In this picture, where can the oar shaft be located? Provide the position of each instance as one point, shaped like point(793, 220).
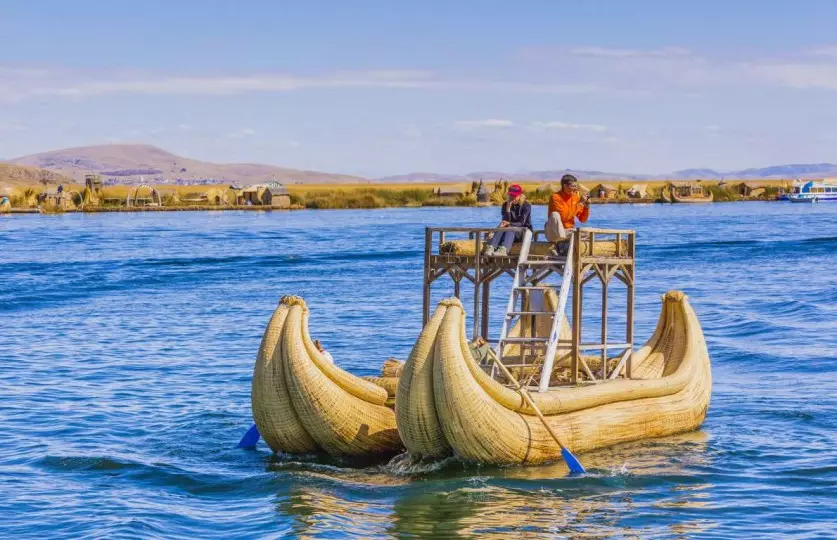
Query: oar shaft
point(529, 401)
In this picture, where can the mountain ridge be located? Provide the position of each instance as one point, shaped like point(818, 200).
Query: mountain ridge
point(131, 163)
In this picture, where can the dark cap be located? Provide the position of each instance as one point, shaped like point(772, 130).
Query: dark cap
point(568, 179)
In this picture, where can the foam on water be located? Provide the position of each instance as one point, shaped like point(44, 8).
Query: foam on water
point(127, 344)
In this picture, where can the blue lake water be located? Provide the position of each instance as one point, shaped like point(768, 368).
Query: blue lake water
point(127, 343)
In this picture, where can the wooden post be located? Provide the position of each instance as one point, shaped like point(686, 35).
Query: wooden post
point(486, 296)
point(477, 284)
point(604, 324)
point(629, 331)
point(577, 286)
point(428, 245)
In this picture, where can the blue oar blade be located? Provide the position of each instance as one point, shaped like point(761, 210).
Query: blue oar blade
point(572, 462)
point(250, 438)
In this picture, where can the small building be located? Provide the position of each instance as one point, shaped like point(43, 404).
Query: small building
point(449, 192)
point(483, 195)
point(638, 191)
point(547, 188)
point(56, 199)
point(93, 182)
point(252, 195)
point(276, 195)
point(750, 189)
point(604, 191)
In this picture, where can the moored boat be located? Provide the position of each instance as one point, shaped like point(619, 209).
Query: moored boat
point(690, 192)
point(447, 404)
point(814, 191)
point(303, 403)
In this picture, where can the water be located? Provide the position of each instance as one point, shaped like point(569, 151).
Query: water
point(127, 344)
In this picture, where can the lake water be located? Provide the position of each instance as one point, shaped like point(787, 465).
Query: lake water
point(127, 344)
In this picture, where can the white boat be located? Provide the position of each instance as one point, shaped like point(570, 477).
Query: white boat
point(814, 191)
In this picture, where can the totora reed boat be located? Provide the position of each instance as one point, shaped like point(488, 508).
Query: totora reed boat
point(515, 399)
point(302, 403)
point(447, 404)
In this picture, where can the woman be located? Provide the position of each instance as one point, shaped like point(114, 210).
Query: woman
point(516, 212)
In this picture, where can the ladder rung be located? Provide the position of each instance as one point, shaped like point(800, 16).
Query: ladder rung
point(515, 313)
point(525, 340)
point(535, 287)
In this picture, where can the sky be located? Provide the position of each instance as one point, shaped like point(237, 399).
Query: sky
point(379, 88)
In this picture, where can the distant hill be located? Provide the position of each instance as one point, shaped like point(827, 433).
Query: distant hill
point(18, 175)
point(816, 170)
point(127, 163)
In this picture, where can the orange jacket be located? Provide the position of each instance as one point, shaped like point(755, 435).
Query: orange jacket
point(568, 207)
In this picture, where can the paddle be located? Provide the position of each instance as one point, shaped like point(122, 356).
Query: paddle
point(250, 438)
point(572, 462)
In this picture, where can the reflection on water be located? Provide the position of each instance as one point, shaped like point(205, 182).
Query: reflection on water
point(453, 498)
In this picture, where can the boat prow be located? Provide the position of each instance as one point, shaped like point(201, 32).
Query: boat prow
point(302, 403)
point(446, 403)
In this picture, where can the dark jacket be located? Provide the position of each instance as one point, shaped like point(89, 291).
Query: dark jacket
point(518, 215)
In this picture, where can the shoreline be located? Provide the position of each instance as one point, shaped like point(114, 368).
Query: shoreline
point(256, 208)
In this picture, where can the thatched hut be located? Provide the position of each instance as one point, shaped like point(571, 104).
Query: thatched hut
point(638, 191)
point(604, 191)
point(59, 200)
point(252, 195)
point(276, 195)
point(449, 192)
point(483, 194)
point(750, 189)
point(547, 188)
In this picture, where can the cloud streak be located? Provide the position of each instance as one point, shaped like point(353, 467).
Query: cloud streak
point(489, 123)
point(597, 128)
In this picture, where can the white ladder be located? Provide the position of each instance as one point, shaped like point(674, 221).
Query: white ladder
point(519, 287)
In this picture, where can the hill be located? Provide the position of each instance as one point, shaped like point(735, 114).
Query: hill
point(17, 175)
point(129, 163)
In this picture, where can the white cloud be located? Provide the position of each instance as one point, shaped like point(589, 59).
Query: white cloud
point(242, 133)
point(825, 50)
point(569, 126)
point(480, 124)
point(796, 75)
point(603, 52)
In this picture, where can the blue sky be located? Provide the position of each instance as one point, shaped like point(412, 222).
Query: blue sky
point(383, 87)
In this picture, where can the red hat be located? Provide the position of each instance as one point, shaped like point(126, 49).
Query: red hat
point(515, 189)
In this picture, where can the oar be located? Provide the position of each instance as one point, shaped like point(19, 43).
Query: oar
point(572, 462)
point(250, 438)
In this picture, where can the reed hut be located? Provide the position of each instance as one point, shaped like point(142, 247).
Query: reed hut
point(547, 188)
point(252, 195)
point(235, 195)
point(449, 192)
point(638, 191)
point(750, 189)
point(59, 200)
point(483, 195)
point(276, 195)
point(604, 191)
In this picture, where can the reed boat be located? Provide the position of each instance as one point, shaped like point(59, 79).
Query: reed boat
point(689, 192)
point(303, 403)
point(446, 403)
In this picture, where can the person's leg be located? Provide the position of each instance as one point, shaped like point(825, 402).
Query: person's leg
point(506, 241)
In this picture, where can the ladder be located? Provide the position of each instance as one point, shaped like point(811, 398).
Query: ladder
point(519, 292)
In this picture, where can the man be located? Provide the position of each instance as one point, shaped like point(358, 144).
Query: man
point(516, 212)
point(564, 207)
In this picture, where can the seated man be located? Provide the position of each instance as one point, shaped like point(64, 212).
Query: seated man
point(515, 212)
point(564, 207)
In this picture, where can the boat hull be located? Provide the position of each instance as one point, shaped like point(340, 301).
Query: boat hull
point(302, 403)
point(467, 413)
point(677, 199)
